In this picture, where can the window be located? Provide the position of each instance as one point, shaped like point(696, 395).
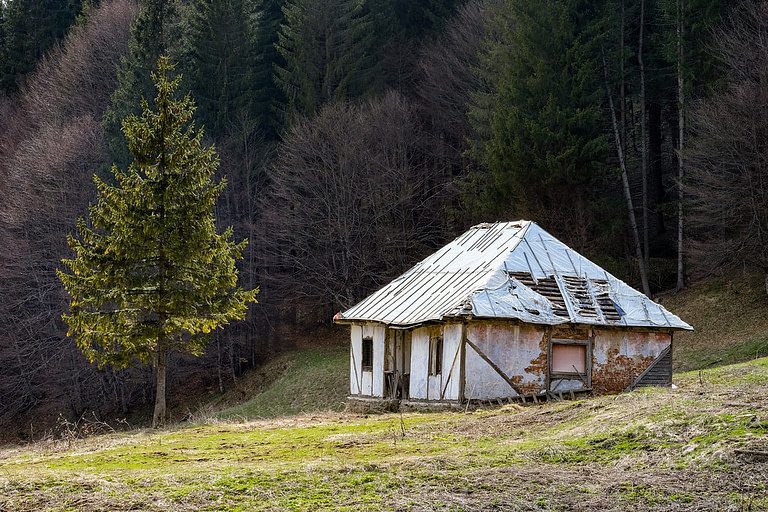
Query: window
point(570, 358)
point(367, 354)
point(435, 355)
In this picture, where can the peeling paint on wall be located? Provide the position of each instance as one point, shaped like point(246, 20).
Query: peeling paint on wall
point(515, 349)
point(621, 356)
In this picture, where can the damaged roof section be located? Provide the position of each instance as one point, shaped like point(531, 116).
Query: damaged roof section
point(511, 270)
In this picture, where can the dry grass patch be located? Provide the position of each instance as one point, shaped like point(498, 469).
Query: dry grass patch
point(729, 314)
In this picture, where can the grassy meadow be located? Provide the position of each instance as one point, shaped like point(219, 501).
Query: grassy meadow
point(289, 445)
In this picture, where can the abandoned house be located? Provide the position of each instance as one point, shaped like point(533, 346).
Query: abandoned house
point(506, 311)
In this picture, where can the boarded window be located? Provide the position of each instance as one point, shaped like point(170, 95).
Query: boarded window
point(569, 358)
point(367, 354)
point(435, 355)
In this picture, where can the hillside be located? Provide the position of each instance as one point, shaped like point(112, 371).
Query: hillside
point(701, 445)
point(730, 317)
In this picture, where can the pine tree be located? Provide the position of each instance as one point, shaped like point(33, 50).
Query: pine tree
point(423, 17)
point(31, 28)
point(268, 97)
point(540, 122)
point(150, 273)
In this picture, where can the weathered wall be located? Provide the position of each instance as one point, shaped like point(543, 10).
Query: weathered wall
point(520, 351)
point(367, 383)
point(620, 356)
point(450, 383)
point(355, 360)
point(419, 384)
point(446, 385)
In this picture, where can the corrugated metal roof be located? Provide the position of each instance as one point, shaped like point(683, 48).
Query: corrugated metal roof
point(510, 270)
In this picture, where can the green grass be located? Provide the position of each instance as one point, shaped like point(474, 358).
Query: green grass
point(654, 449)
point(290, 446)
point(312, 380)
point(730, 317)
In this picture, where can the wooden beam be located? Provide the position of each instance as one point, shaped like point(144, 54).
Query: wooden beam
point(495, 367)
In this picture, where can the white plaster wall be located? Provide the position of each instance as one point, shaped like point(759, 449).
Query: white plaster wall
point(379, 334)
point(355, 360)
point(451, 377)
point(612, 344)
point(621, 356)
point(419, 363)
point(482, 382)
point(430, 387)
point(367, 383)
point(515, 349)
point(565, 385)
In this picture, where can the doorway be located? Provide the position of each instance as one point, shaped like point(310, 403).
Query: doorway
point(397, 364)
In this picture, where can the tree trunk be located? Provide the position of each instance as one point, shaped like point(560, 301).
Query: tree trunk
point(161, 367)
point(643, 137)
point(625, 181)
point(681, 133)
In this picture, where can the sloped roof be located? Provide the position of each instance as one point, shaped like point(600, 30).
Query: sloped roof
point(510, 270)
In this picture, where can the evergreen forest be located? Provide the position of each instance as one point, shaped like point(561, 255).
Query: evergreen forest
point(358, 136)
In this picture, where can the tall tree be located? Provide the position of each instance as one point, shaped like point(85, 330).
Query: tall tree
point(152, 35)
point(539, 122)
point(30, 28)
point(151, 274)
point(727, 153)
point(219, 61)
point(51, 144)
point(686, 42)
point(619, 145)
point(350, 205)
point(327, 48)
point(680, 32)
point(423, 17)
point(269, 95)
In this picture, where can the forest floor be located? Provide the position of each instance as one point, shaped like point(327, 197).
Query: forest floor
point(280, 440)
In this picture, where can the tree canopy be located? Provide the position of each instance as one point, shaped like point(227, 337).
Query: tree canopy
point(150, 272)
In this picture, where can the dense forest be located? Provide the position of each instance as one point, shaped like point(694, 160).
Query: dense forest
point(357, 136)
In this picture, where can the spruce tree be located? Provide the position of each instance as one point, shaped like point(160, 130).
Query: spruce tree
point(151, 274)
point(219, 61)
point(268, 97)
point(327, 47)
point(31, 28)
point(540, 124)
point(152, 35)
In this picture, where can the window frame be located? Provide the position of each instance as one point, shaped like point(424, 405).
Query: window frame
point(366, 354)
point(574, 371)
point(435, 355)
point(585, 377)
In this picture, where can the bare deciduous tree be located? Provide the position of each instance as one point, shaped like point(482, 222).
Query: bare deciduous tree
point(52, 145)
point(351, 199)
point(727, 155)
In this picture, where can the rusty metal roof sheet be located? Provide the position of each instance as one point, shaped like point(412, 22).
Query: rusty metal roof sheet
point(510, 270)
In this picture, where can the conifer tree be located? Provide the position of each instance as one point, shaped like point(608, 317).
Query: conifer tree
point(219, 61)
point(539, 124)
point(151, 274)
point(31, 28)
point(152, 35)
point(269, 97)
point(327, 47)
